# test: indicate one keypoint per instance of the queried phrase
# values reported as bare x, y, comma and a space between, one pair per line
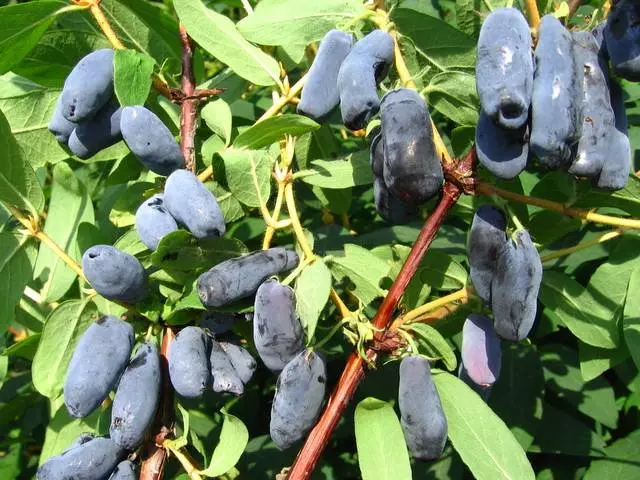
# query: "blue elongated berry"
598, 120
125, 470
97, 133
114, 274
480, 351
153, 221
240, 277
241, 360
189, 368
622, 36
421, 414
515, 286
96, 365
556, 107
504, 68
366, 65
88, 87
150, 140
137, 397
224, 375
486, 240
299, 396
91, 460
412, 170
277, 332
320, 93
193, 205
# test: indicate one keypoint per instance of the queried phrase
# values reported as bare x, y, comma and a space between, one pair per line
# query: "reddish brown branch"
154, 455
189, 107
354, 370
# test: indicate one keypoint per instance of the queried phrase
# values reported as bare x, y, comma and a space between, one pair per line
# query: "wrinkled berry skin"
60, 126
153, 221
366, 65
97, 133
622, 36
412, 170
298, 400
421, 414
193, 205
515, 286
277, 332
240, 277
100, 357
504, 68
125, 470
241, 360
481, 353
114, 274
94, 459
503, 152
189, 362
376, 153
137, 396
150, 140
598, 119
88, 87
320, 93
617, 165
556, 109
485, 242
224, 375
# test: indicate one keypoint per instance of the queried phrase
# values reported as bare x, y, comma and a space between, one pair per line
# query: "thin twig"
155, 455
189, 108
605, 237
533, 14
487, 189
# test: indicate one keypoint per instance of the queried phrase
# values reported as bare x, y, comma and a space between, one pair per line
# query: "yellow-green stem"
605, 237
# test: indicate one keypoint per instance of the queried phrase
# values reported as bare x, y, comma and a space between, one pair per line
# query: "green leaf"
181, 251
517, 395
140, 25
28, 115
123, 212
312, 292
631, 325
17, 254
483, 441
233, 440
562, 374
296, 22
24, 348
273, 129
217, 116
346, 172
434, 345
438, 269
595, 361
382, 451
132, 76
438, 43
19, 186
230, 206
454, 95
218, 35
579, 310
363, 269
23, 25
248, 175
468, 17
561, 433
63, 429
61, 333
621, 462
69, 206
